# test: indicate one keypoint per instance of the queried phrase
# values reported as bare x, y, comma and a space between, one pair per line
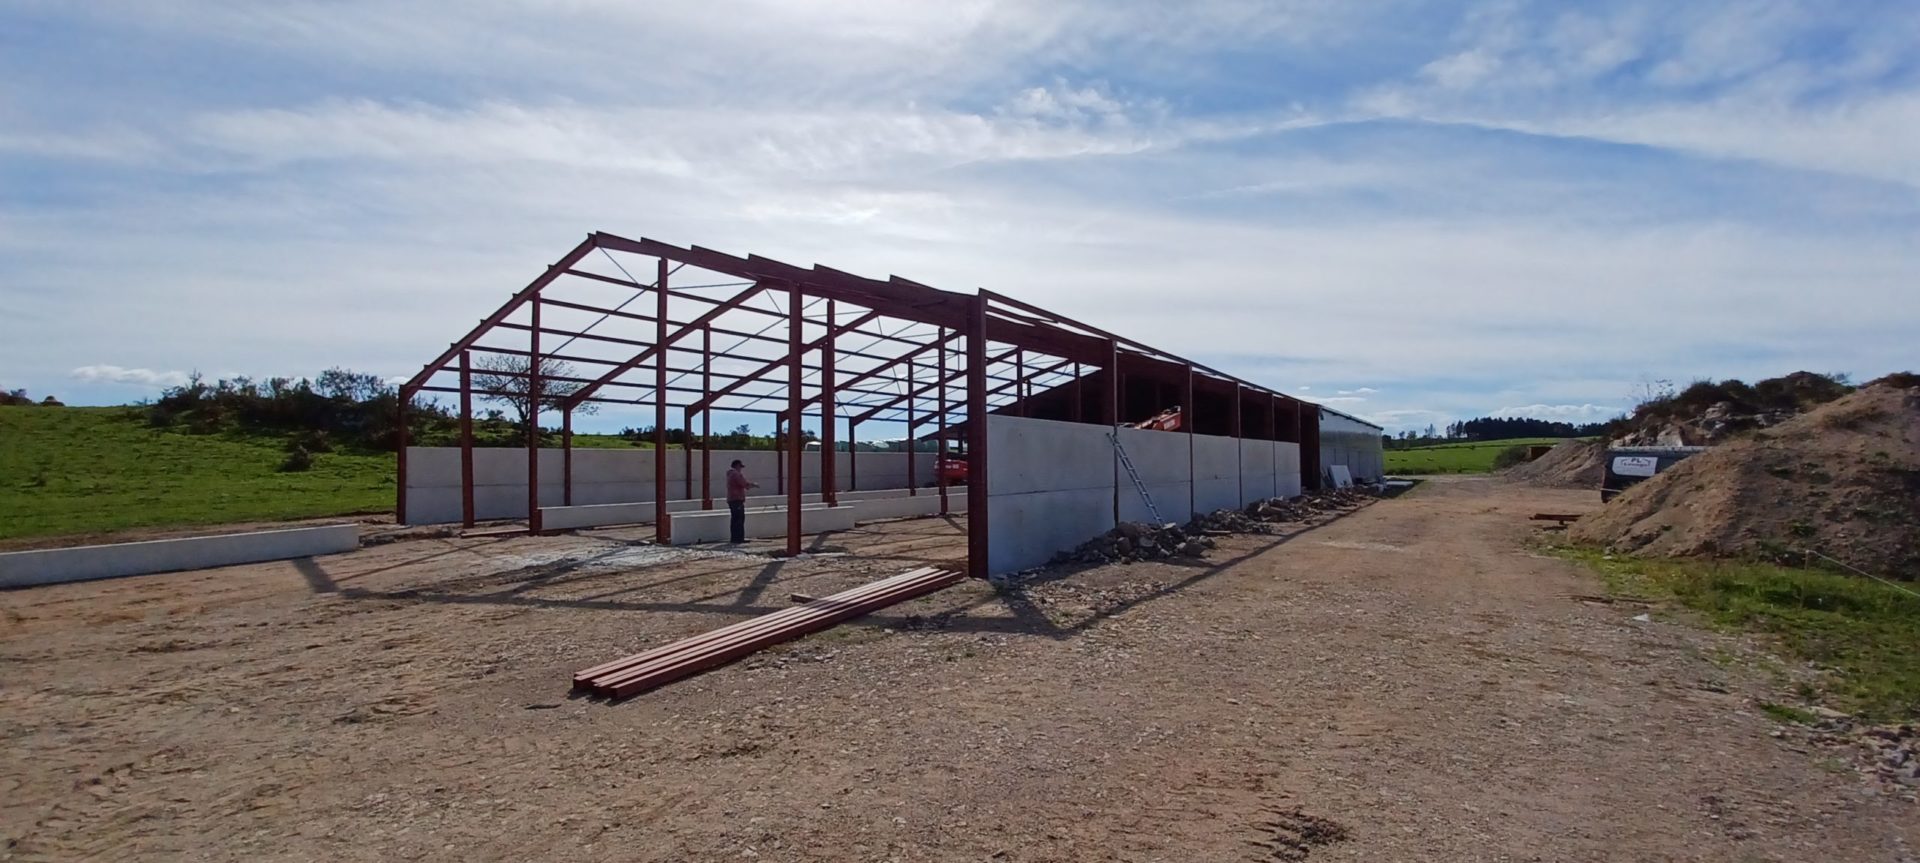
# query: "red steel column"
1020, 380
853, 454
533, 418
977, 479
913, 443
566, 456
662, 520
1113, 418
1079, 407
466, 438
1273, 432
940, 444
401, 397
1188, 413
795, 323
1239, 447
779, 455
706, 417
829, 481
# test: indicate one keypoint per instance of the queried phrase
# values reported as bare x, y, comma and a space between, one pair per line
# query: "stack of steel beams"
643, 671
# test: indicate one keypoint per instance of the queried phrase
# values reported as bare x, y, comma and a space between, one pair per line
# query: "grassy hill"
92, 470
1464, 457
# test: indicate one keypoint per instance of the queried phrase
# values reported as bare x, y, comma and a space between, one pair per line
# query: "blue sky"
1416, 212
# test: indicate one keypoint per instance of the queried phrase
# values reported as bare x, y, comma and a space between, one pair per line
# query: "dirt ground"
1407, 682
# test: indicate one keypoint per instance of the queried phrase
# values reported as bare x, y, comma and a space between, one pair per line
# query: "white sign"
1635, 465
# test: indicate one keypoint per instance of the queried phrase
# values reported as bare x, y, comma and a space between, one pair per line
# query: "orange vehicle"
1166, 420
951, 471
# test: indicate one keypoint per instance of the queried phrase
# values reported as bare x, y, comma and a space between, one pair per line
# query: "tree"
503, 378
344, 384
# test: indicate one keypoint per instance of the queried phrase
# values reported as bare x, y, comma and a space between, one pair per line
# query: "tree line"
1492, 428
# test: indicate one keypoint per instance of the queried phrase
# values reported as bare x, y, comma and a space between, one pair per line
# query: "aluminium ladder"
1135, 475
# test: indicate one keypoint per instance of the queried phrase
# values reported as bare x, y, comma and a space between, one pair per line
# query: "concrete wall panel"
1287, 477
1164, 464
609, 476
762, 522
1053, 484
1051, 489
1216, 471
56, 565
1259, 481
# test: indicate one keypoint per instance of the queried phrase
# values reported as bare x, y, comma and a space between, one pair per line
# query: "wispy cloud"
1564, 413
109, 374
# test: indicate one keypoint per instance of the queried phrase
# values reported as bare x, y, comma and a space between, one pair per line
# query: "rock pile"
1133, 541
1307, 506
1889, 753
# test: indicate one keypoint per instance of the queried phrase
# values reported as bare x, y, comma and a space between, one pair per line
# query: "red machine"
1166, 420
951, 471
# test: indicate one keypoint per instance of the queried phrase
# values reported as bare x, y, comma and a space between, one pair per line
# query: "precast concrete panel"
1164, 463
1216, 472
1051, 488
611, 476
1258, 481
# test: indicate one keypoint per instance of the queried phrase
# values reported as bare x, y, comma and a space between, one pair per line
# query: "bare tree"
503, 378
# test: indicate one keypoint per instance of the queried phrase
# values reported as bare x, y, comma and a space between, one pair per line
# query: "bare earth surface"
1407, 682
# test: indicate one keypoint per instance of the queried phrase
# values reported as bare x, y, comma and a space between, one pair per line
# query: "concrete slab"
82, 563
762, 522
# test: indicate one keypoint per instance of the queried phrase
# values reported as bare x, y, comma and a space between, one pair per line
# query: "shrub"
297, 461
1509, 457
345, 409
311, 440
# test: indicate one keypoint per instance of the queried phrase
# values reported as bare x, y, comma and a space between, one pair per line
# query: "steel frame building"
711, 332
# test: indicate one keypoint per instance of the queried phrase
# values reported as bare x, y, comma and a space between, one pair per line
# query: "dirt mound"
1843, 480
1573, 464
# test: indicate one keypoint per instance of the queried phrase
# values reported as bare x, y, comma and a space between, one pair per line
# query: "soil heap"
1842, 480
1572, 464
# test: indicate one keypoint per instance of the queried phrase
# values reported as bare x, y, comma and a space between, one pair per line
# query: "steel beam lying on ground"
643, 671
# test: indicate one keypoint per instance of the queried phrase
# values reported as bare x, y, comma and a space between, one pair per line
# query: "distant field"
92, 470
1466, 457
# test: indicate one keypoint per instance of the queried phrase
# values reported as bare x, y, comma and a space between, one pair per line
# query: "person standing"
737, 485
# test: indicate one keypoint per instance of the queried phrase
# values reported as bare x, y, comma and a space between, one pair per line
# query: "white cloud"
1563, 413
107, 374
1406, 418
1362, 391
1341, 400
1461, 70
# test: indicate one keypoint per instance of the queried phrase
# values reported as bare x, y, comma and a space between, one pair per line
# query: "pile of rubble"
1133, 541
1888, 753
1307, 506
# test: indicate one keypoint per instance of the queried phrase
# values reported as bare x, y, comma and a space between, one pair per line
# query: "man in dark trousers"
737, 486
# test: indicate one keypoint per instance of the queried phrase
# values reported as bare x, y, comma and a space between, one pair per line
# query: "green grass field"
1467, 457
92, 470
1864, 634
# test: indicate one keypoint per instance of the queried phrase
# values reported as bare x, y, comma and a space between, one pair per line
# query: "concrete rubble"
1138, 541
1888, 753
